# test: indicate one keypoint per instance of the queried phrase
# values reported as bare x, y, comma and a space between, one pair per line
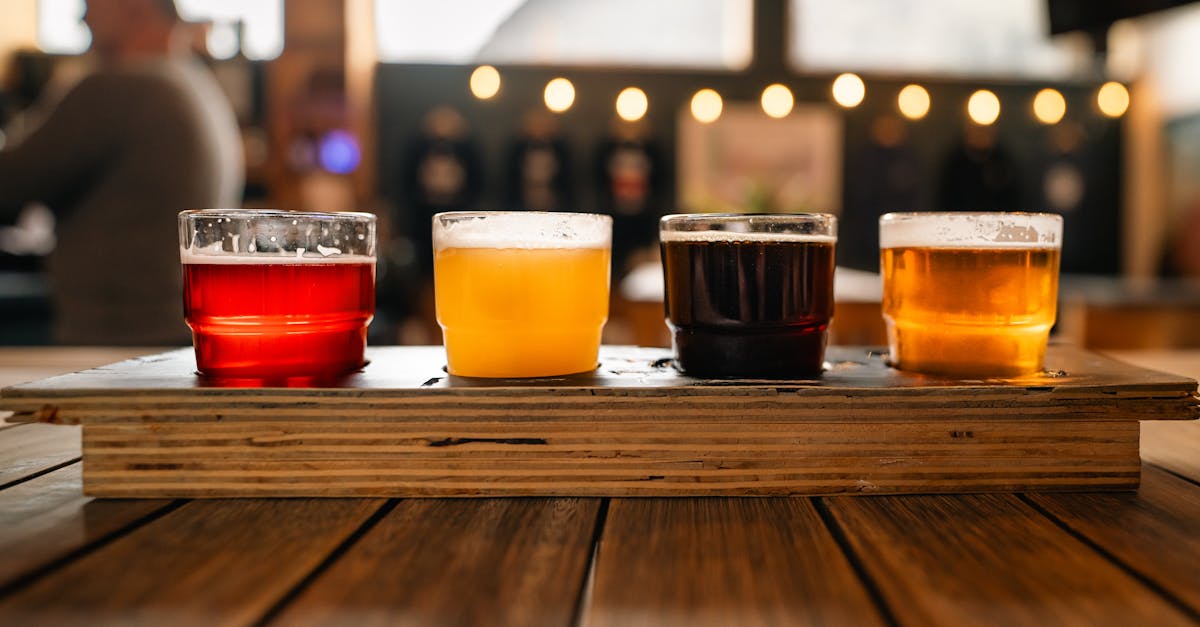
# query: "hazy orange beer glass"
521, 294
969, 294
275, 295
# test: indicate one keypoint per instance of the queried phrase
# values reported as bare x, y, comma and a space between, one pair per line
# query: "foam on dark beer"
742, 236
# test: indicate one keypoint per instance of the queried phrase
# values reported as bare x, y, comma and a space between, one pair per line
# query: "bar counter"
994, 559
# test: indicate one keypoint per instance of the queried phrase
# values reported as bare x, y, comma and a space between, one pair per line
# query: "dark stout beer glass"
749, 296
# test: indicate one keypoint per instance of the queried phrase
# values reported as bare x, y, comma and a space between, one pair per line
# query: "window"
262, 24
957, 37
654, 33
61, 29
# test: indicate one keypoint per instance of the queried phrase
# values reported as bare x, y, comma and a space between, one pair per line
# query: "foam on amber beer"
278, 315
970, 295
522, 294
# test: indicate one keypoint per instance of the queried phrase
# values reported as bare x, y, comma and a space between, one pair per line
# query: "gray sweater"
122, 153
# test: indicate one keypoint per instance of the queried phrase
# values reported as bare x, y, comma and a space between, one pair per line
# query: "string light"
849, 90
1113, 99
913, 102
777, 101
983, 107
559, 95
632, 104
1049, 106
485, 82
707, 106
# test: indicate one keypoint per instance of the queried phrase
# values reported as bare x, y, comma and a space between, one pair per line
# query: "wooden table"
1036, 559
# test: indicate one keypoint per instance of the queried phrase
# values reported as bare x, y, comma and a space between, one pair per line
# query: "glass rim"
914, 215
277, 213
799, 227
506, 213
738, 217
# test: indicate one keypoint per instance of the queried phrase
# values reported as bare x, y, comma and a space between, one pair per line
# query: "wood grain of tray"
634, 427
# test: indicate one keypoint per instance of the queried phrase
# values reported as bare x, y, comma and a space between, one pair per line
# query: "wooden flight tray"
634, 427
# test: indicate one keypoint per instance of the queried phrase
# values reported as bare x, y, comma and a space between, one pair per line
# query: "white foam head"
970, 230
521, 229
737, 236
749, 227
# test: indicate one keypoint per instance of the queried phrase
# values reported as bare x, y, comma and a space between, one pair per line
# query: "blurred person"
147, 134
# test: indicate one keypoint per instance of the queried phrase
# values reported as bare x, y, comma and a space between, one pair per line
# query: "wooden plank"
28, 449
25, 364
665, 458
857, 386
1156, 531
20, 364
208, 562
1174, 446
990, 559
47, 518
1181, 362
746, 562
710, 404
633, 427
438, 562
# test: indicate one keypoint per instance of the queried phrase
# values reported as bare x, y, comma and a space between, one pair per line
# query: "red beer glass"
277, 295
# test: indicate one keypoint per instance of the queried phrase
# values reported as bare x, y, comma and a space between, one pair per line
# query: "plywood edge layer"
584, 458
188, 488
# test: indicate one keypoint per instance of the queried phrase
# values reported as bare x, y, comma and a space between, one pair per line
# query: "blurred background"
639, 108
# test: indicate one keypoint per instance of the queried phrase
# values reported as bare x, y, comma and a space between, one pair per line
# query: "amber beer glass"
749, 295
277, 294
521, 294
970, 294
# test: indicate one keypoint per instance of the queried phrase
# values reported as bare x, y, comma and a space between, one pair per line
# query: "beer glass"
749, 295
521, 294
969, 294
277, 294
